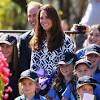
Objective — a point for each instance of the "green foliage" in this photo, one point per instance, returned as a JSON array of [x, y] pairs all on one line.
[[11, 16], [1, 88]]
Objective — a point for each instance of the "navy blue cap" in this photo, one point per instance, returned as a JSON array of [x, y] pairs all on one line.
[[93, 49], [86, 80], [8, 39], [70, 58], [83, 61], [29, 74]]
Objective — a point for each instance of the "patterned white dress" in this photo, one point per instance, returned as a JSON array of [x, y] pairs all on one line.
[[49, 60]]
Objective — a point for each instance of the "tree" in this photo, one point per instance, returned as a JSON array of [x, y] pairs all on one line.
[[22, 4], [11, 15]]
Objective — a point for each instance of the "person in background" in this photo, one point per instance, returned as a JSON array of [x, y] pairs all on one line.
[[79, 34], [49, 44], [93, 37], [8, 46], [24, 49], [29, 84]]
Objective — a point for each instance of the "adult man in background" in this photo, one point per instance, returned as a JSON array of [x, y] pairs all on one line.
[[24, 50]]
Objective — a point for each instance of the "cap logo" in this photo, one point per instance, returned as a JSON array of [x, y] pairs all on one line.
[[70, 61]]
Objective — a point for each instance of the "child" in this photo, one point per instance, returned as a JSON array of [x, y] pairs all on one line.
[[93, 54], [29, 86], [64, 77], [8, 46], [85, 85], [83, 67]]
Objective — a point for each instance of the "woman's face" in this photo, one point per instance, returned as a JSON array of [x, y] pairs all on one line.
[[85, 89], [94, 37], [7, 50], [28, 87], [45, 22], [82, 70]]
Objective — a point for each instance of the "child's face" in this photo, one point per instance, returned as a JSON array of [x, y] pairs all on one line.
[[94, 37], [66, 69], [28, 87], [7, 50], [82, 69], [87, 88], [94, 58]]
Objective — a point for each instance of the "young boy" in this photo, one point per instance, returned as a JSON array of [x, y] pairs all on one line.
[[29, 86], [83, 67], [85, 86]]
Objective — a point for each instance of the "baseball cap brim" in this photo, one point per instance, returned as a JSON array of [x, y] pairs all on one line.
[[68, 62], [61, 63], [21, 79], [83, 61], [89, 66], [80, 85], [5, 42], [92, 52]]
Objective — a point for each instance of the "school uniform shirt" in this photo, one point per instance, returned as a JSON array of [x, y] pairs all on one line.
[[22, 97], [70, 92], [57, 94], [96, 76], [49, 60], [97, 91], [80, 53], [53, 94]]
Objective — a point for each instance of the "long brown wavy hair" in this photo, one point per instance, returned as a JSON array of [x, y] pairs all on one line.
[[56, 38]]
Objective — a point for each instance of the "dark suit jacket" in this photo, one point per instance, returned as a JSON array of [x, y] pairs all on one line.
[[25, 50]]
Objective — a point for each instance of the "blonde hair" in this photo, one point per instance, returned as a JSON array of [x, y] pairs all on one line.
[[34, 4], [95, 27]]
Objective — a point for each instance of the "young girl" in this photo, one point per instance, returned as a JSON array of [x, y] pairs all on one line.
[[8, 46], [29, 86], [93, 37], [64, 77]]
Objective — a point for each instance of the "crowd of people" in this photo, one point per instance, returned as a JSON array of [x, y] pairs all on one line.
[[49, 63]]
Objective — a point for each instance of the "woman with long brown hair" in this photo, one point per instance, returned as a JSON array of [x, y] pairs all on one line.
[[49, 44]]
